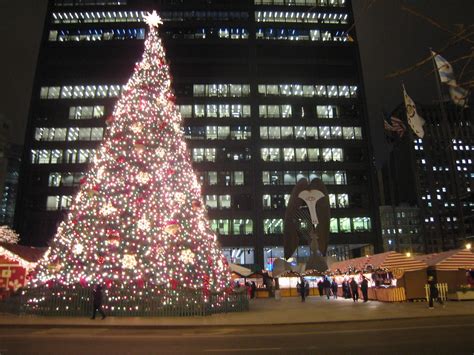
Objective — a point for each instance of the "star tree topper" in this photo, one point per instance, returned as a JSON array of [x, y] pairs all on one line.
[[153, 19]]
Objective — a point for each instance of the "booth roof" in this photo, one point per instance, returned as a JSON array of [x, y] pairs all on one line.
[[29, 254], [390, 260], [240, 270], [449, 260]]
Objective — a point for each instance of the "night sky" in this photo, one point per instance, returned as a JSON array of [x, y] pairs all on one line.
[[389, 38]]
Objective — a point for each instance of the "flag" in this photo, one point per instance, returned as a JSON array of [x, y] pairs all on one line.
[[458, 95], [446, 75], [445, 70], [415, 121], [398, 126]]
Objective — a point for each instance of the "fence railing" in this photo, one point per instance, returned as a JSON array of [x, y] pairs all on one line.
[[442, 291], [77, 301]]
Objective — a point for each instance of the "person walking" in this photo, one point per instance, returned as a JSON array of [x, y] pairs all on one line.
[[320, 287], [334, 288], [253, 288], [364, 287], [97, 301], [434, 294], [354, 290], [302, 289], [327, 287]]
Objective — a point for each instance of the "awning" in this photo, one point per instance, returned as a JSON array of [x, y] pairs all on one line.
[[240, 270], [27, 257], [390, 260], [449, 260]]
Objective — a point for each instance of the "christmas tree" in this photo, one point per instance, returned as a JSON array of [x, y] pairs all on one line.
[[138, 224]]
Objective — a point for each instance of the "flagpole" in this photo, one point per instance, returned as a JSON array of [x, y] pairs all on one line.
[[446, 133]]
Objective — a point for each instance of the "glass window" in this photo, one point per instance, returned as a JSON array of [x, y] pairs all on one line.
[[321, 90], [78, 92], [84, 134], [301, 154], [326, 153], [199, 90], [342, 200], [238, 178], [235, 90], [274, 132], [212, 177], [353, 91], [211, 110], [270, 154], [199, 111], [85, 155], [286, 111], [286, 132], [242, 226], [340, 177], [211, 132], [186, 111], [273, 226], [44, 92], [66, 92], [324, 132], [326, 111], [224, 201], [333, 226], [358, 132], [223, 132], [348, 133], [210, 154], [90, 91], [73, 134], [211, 201], [97, 133], [288, 154], [332, 201], [313, 154], [336, 132], [220, 226], [52, 203], [102, 91], [114, 90], [300, 132], [344, 91], [289, 178], [308, 91], [66, 202], [345, 225], [224, 110], [337, 154]]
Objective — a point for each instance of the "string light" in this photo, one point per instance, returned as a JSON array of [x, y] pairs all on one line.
[[138, 218]]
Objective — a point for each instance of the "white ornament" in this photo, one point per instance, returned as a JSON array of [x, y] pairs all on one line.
[[160, 152], [129, 261], [180, 198], [136, 128], [187, 256], [177, 127], [143, 224], [143, 178], [77, 249], [108, 209], [153, 19]]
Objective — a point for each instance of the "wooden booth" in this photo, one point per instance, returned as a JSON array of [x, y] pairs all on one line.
[[451, 267], [16, 261], [394, 276]]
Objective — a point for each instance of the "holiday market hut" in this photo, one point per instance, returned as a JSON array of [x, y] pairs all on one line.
[[450, 267], [394, 276], [16, 261]]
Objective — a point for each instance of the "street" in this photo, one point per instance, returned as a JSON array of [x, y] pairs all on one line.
[[436, 335]]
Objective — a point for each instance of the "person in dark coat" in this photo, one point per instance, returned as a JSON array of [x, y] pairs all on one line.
[[253, 289], [334, 288], [327, 287], [320, 287], [97, 301], [345, 289], [354, 290], [302, 289], [364, 287], [434, 294]]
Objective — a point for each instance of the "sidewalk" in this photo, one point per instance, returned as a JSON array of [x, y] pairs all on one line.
[[265, 312]]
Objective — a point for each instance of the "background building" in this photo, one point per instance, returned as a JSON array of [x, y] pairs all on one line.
[[436, 174], [270, 92]]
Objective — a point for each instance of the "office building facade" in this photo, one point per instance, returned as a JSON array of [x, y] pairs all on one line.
[[270, 91]]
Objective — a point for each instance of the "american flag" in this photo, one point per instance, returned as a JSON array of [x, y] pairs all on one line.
[[396, 125]]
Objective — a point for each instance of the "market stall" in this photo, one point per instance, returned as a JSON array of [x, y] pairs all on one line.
[[393, 276], [15, 263], [452, 268]]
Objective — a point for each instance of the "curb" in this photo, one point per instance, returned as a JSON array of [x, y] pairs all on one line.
[[193, 326]]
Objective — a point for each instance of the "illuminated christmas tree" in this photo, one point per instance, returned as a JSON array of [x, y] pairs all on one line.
[[138, 223]]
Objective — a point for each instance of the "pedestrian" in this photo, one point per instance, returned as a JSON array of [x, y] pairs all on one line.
[[364, 287], [302, 289], [320, 287], [345, 289], [248, 287], [354, 290], [97, 301], [253, 287], [434, 294], [327, 287], [334, 288]]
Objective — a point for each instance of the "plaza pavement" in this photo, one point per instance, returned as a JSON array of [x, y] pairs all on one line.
[[264, 312]]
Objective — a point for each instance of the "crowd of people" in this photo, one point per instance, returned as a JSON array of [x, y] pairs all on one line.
[[328, 287]]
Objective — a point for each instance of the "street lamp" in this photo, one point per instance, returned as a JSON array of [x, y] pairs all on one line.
[[468, 246], [408, 254]]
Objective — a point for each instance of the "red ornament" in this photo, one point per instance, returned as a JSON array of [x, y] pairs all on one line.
[[140, 283], [195, 205], [83, 181], [96, 188], [109, 120], [162, 126], [108, 283], [121, 159], [174, 284], [83, 282], [100, 260], [170, 171]]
